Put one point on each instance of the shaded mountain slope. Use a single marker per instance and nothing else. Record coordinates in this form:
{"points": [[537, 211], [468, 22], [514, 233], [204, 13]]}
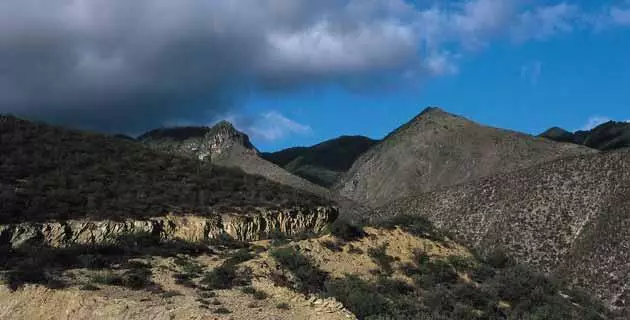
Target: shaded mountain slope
{"points": [[570, 216], [322, 163], [223, 145], [437, 149], [608, 136], [51, 173]]}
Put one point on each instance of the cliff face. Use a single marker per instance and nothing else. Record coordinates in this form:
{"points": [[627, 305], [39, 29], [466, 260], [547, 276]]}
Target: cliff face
{"points": [[244, 227], [569, 217]]}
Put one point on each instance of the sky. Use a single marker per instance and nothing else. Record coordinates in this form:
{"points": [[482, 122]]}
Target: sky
{"points": [[297, 72]]}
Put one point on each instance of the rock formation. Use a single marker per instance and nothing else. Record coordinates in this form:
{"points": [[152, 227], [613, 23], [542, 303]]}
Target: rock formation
{"points": [[256, 225]]}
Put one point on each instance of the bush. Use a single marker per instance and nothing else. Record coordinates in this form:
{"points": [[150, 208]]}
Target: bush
{"points": [[358, 296], [416, 225], [346, 231], [283, 306], [309, 279], [380, 257], [222, 310], [221, 277]]}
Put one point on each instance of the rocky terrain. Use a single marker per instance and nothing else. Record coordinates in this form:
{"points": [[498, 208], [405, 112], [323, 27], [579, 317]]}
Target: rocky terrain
{"points": [[607, 136], [323, 163], [437, 149], [569, 217], [223, 145]]}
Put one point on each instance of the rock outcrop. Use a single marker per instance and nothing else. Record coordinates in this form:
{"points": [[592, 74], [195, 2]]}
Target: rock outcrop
{"points": [[570, 217], [223, 145], [252, 226]]}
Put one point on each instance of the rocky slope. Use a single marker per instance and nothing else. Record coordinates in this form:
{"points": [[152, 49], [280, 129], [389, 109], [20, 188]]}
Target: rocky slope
{"points": [[569, 217], [607, 136], [437, 149], [323, 163], [223, 145]]}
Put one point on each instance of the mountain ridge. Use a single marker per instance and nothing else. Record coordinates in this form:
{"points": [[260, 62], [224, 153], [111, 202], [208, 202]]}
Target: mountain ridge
{"points": [[437, 149]]}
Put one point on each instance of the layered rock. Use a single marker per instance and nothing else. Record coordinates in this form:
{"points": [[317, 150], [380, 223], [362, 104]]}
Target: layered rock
{"points": [[252, 226]]}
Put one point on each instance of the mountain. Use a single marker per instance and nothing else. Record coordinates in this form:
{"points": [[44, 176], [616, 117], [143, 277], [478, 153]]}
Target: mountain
{"points": [[438, 149], [570, 217], [323, 163], [223, 145], [50, 173], [607, 136]]}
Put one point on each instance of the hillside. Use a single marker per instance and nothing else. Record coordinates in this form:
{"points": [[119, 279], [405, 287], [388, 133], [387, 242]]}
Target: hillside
{"points": [[570, 217], [402, 269], [323, 163], [437, 149], [51, 173], [223, 145], [607, 136]]}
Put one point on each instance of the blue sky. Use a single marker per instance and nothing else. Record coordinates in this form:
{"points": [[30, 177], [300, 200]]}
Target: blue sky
{"points": [[297, 72], [573, 79]]}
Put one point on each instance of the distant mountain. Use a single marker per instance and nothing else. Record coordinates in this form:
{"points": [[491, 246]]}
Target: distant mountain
{"points": [[608, 136], [322, 163], [570, 217], [51, 173], [437, 149], [223, 145]]}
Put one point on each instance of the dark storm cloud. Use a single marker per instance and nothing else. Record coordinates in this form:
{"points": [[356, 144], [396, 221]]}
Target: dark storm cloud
{"points": [[126, 65]]}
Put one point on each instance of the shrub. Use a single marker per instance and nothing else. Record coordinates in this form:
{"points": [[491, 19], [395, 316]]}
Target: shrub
{"points": [[346, 231], [309, 278], [222, 310], [221, 277], [283, 305], [380, 257], [332, 246], [416, 225], [358, 296]]}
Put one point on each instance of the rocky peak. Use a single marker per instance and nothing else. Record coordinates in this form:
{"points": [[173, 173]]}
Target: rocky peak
{"points": [[199, 142]]}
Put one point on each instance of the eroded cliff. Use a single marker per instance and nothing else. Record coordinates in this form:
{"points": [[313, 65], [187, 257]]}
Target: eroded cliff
{"points": [[254, 225]]}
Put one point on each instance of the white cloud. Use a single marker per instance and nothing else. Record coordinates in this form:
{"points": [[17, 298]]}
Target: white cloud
{"points": [[544, 22], [268, 126], [620, 15], [532, 72], [594, 121]]}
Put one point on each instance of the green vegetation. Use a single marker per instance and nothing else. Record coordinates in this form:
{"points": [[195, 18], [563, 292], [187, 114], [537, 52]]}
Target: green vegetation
{"points": [[50, 173], [307, 277], [283, 306], [345, 230], [441, 287], [116, 263], [257, 294], [227, 275], [322, 163]]}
